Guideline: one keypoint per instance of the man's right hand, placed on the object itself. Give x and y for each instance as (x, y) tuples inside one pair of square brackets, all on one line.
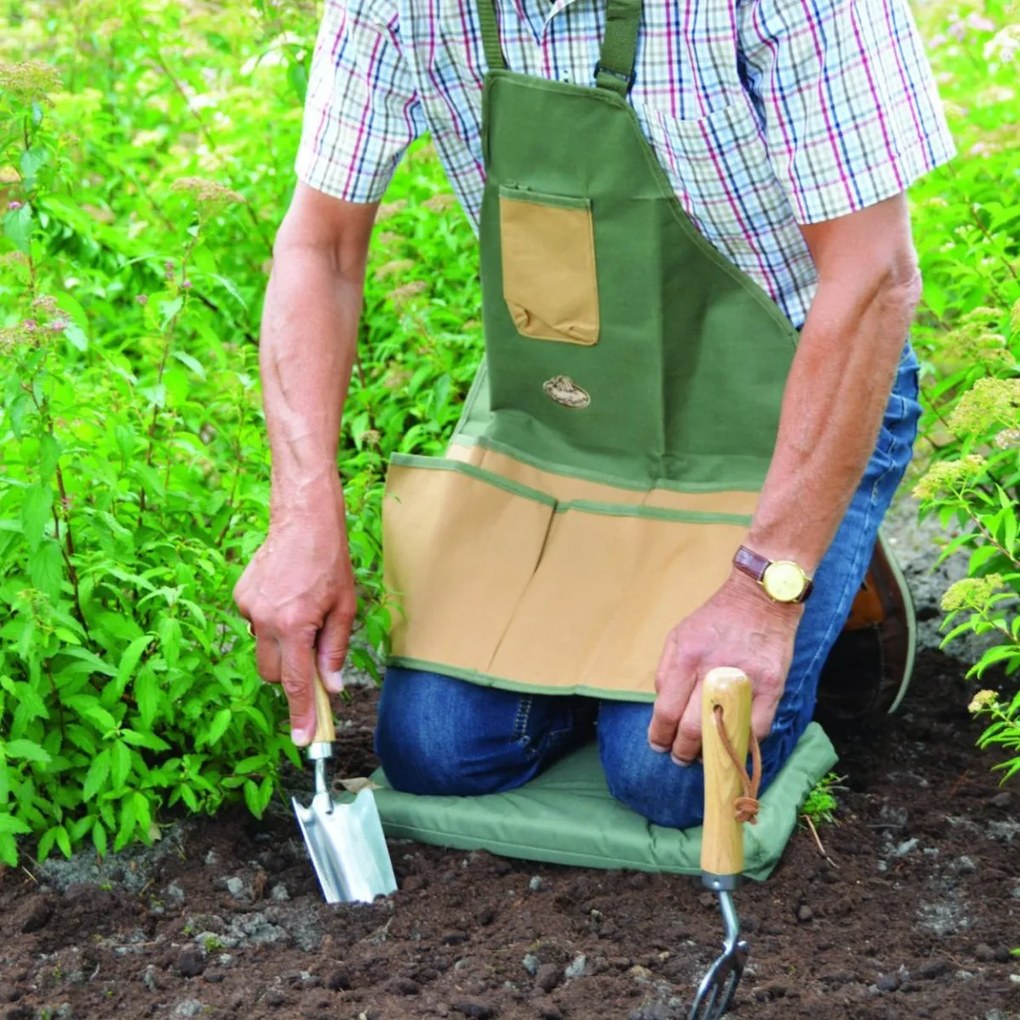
[(298, 593)]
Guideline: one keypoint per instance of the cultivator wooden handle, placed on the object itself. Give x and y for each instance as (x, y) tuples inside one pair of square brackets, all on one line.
[(725, 709), (729, 799)]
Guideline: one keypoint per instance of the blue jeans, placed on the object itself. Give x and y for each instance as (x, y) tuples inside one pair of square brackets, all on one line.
[(440, 735)]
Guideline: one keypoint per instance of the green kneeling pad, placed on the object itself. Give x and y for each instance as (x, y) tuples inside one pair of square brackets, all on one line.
[(567, 816)]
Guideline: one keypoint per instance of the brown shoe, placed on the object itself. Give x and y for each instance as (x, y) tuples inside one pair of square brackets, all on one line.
[(868, 669)]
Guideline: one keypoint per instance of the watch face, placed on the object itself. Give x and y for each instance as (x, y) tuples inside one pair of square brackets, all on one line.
[(784, 581)]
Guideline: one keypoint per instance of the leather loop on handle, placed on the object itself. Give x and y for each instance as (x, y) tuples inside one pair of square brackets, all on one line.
[(722, 842), (324, 729)]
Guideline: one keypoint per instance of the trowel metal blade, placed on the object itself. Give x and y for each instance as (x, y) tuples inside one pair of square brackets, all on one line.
[(347, 848)]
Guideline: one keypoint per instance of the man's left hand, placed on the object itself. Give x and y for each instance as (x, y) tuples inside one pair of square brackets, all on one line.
[(738, 626)]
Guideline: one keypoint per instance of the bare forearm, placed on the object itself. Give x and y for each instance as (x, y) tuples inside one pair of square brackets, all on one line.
[(833, 404), (308, 341), (839, 383), (309, 334)]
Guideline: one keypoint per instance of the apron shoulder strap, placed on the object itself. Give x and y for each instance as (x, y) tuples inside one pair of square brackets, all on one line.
[(490, 35), (615, 69)]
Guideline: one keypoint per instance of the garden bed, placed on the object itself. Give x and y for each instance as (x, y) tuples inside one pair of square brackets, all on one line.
[(913, 915)]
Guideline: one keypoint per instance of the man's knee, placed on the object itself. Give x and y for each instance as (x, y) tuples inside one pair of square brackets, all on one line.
[(442, 736), (418, 746), (652, 785)]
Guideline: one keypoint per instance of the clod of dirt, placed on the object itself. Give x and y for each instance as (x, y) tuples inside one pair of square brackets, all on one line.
[(548, 977), (476, 1009), (38, 914), (888, 983), (402, 986), (191, 961)]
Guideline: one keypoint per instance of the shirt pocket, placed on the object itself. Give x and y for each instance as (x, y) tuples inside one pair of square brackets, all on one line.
[(720, 170), (547, 245)]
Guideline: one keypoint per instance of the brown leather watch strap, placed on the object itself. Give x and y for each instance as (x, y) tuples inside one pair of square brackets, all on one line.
[(750, 562)]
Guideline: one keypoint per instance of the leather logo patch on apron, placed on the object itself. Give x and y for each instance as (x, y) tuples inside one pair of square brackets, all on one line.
[(565, 391)]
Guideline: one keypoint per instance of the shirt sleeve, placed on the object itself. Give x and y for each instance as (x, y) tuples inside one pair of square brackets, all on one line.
[(849, 106), (361, 108)]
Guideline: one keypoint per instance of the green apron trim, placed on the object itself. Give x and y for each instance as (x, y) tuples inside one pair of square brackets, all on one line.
[(559, 201), (413, 460), (747, 471), (521, 687), (567, 816), (655, 513)]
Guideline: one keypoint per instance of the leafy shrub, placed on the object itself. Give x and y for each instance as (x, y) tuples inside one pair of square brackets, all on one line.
[(140, 191), (970, 335)]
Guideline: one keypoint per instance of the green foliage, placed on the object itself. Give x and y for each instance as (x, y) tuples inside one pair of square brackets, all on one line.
[(970, 337), (140, 189), (821, 803)]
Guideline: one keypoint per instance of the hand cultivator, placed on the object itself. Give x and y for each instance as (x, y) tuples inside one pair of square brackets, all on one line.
[(729, 801), (345, 841)]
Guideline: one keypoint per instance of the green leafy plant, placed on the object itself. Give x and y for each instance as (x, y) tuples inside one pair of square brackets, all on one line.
[(969, 336), (819, 808), (125, 683), (820, 805), (140, 190), (1003, 728)]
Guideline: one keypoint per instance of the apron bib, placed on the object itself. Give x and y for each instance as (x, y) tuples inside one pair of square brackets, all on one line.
[(615, 440)]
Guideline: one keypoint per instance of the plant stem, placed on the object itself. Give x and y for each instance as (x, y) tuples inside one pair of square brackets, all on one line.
[(168, 336)]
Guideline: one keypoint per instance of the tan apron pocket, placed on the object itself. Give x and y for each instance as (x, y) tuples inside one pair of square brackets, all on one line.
[(460, 549), (548, 253), (609, 588)]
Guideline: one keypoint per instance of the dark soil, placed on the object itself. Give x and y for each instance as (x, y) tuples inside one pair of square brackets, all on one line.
[(913, 915)]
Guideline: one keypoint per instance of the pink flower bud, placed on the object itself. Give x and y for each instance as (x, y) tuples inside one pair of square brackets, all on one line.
[(142, 299), (14, 206), (186, 285)]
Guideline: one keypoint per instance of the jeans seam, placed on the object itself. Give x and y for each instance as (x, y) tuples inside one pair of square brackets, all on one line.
[(521, 720)]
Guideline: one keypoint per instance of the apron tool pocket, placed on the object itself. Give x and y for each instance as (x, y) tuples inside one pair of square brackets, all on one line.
[(548, 253), (461, 547)]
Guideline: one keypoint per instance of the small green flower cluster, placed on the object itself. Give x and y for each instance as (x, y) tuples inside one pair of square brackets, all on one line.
[(29, 81), (206, 192), (949, 476), (987, 404), (971, 592), (982, 701)]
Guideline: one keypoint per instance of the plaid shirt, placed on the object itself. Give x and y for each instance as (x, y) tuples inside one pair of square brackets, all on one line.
[(763, 113)]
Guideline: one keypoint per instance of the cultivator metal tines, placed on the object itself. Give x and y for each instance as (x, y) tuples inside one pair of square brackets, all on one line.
[(730, 800)]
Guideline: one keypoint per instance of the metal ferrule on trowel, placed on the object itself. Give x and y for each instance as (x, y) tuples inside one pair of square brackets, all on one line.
[(345, 841)]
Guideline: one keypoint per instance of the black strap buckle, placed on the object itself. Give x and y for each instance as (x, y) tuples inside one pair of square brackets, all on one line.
[(626, 79)]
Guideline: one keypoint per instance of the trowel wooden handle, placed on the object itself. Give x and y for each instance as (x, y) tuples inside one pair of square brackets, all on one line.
[(722, 844), (324, 730)]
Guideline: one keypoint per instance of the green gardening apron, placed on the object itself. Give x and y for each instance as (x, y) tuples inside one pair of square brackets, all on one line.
[(614, 443)]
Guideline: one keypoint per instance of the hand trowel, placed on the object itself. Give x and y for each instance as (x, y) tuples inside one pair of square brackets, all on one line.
[(345, 841)]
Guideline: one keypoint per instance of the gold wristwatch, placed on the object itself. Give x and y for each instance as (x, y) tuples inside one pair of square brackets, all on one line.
[(782, 580)]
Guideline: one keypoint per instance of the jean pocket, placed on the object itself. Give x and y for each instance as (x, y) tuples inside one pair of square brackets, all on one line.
[(899, 423), (547, 245)]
